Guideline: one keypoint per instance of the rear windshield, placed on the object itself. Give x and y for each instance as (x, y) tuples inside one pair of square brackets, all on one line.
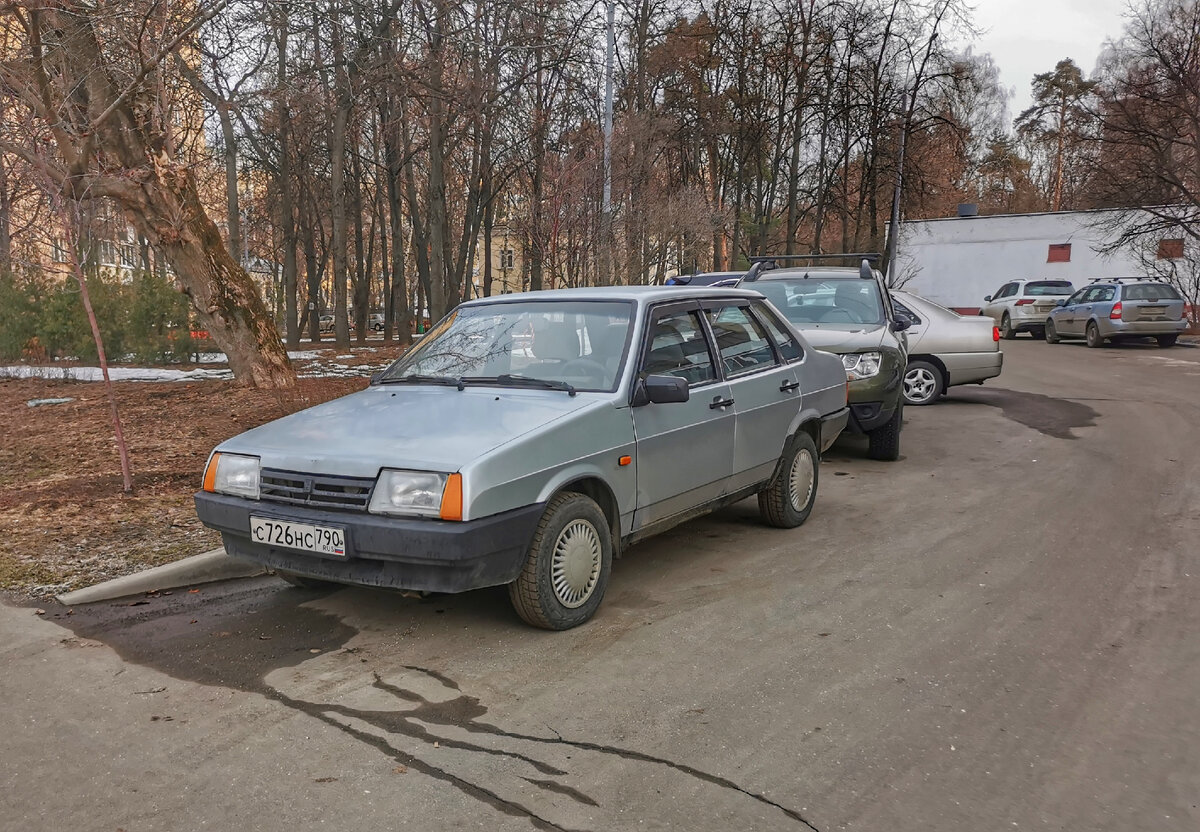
[(1048, 287), (813, 300), (1150, 291)]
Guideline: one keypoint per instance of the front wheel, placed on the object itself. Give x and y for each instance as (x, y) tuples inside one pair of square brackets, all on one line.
[(1166, 341), (883, 443), (1052, 333), (922, 383), (1006, 329), (1094, 339), (566, 569), (788, 499)]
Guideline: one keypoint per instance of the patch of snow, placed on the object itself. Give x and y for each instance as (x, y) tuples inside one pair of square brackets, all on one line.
[(40, 402), (301, 354), (115, 373)]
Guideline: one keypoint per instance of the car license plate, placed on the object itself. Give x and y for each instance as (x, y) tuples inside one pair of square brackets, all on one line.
[(324, 540)]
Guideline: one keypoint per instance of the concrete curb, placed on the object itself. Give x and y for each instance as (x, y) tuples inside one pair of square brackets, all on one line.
[(198, 569)]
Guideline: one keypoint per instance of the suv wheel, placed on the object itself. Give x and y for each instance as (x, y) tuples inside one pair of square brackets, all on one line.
[(922, 383), (567, 566), (1051, 333), (1006, 328), (788, 499), (1165, 341), (883, 443), (1094, 338)]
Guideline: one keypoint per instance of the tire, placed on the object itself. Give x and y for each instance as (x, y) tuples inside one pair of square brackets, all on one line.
[(1052, 333), (788, 499), (883, 443), (1166, 341), (573, 538), (1094, 339), (1006, 329), (303, 581), (923, 383)]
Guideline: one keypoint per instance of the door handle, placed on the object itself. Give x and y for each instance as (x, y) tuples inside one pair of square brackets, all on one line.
[(788, 386), (718, 402)]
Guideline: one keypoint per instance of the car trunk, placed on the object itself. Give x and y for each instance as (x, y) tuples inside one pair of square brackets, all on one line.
[(1151, 309)]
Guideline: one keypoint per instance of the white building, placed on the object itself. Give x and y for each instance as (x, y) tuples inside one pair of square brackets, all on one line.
[(958, 260)]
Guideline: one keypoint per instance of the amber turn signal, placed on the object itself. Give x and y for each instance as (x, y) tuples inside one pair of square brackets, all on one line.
[(625, 460), (210, 473), (452, 499)]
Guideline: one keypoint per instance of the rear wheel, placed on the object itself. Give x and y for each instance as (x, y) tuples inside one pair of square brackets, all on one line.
[(883, 443), (923, 383), (1165, 341), (1052, 333), (567, 566), (1006, 328), (1094, 339), (788, 499)]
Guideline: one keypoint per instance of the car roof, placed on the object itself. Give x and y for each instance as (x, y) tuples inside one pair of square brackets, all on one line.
[(822, 272), (638, 294)]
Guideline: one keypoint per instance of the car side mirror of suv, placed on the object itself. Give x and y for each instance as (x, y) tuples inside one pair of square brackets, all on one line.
[(987, 298), (660, 390)]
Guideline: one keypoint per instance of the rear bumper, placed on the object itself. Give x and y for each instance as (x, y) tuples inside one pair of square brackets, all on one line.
[(972, 367), (1026, 318), (832, 426), (1109, 327), (400, 553)]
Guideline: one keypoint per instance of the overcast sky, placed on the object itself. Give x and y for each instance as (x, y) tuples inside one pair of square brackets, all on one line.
[(1030, 36)]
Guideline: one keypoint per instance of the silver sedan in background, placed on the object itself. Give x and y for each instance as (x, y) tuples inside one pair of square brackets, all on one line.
[(945, 348)]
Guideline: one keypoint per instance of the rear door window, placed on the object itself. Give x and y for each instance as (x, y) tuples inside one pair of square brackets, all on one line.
[(788, 347)]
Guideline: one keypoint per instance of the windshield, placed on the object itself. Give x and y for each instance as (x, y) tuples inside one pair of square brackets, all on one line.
[(1048, 287), (814, 300), (579, 343), (1150, 291)]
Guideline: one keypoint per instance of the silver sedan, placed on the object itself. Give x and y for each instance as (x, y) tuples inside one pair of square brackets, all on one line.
[(945, 348), (529, 439)]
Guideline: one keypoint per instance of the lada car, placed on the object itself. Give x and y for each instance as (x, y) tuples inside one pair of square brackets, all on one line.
[(846, 311), (528, 439)]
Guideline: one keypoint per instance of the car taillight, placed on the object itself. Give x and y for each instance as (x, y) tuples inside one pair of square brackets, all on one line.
[(1115, 314), (995, 333), (1024, 302)]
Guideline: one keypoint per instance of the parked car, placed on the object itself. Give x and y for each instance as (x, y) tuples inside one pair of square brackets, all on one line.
[(705, 279), (1022, 305), (944, 348), (846, 311), (473, 462), (325, 323), (375, 321), (1117, 310)]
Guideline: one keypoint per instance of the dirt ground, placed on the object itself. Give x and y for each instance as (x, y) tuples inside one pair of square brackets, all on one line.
[(64, 522)]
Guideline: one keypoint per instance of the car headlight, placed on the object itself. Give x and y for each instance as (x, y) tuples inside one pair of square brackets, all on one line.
[(860, 365), (232, 474), (408, 492)]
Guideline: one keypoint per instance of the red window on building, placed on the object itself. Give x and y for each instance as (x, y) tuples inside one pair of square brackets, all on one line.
[(1059, 253), (1170, 249)]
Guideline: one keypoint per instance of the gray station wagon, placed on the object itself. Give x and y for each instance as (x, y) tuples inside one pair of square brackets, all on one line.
[(1114, 310), (528, 439)]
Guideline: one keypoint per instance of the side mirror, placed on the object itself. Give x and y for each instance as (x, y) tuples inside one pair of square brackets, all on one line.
[(375, 378), (987, 298), (901, 324), (660, 390), (1060, 302)]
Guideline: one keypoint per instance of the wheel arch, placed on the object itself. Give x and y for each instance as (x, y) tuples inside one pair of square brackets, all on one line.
[(938, 364), (601, 492)]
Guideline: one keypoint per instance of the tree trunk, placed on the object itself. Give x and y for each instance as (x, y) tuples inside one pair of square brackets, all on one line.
[(284, 181)]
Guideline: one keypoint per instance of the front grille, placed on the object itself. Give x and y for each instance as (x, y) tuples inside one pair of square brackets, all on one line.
[(316, 490)]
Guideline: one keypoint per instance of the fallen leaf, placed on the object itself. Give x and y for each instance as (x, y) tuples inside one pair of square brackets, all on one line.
[(193, 591), (152, 690), (39, 612), (400, 770), (325, 780), (315, 650), (822, 635), (265, 638), (435, 744), (137, 603)]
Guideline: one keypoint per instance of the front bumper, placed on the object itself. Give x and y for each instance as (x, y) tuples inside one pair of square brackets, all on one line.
[(400, 553), (874, 400)]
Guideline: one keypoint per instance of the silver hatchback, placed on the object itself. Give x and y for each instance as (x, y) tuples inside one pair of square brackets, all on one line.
[(528, 439), (1114, 310)]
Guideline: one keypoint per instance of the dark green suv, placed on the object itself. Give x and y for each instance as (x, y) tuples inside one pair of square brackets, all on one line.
[(848, 312)]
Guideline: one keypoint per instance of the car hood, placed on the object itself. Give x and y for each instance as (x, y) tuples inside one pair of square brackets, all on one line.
[(416, 427), (839, 338)]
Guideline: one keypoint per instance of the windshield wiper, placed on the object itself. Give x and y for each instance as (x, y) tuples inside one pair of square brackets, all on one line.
[(521, 381), (449, 381)]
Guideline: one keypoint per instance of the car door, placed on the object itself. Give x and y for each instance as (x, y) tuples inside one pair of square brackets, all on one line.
[(1082, 310), (765, 390), (685, 449), (1064, 316), (994, 308)]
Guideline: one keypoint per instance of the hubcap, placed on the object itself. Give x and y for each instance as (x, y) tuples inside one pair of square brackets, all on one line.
[(801, 479), (919, 385), (575, 565)]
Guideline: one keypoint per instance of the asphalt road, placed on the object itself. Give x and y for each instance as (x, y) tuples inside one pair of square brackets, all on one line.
[(1000, 631)]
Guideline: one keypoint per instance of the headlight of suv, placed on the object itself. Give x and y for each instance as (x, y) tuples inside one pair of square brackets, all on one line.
[(408, 492), (232, 474), (860, 365)]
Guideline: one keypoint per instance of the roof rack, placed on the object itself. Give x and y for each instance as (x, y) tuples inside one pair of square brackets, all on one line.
[(1119, 279), (766, 262)]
